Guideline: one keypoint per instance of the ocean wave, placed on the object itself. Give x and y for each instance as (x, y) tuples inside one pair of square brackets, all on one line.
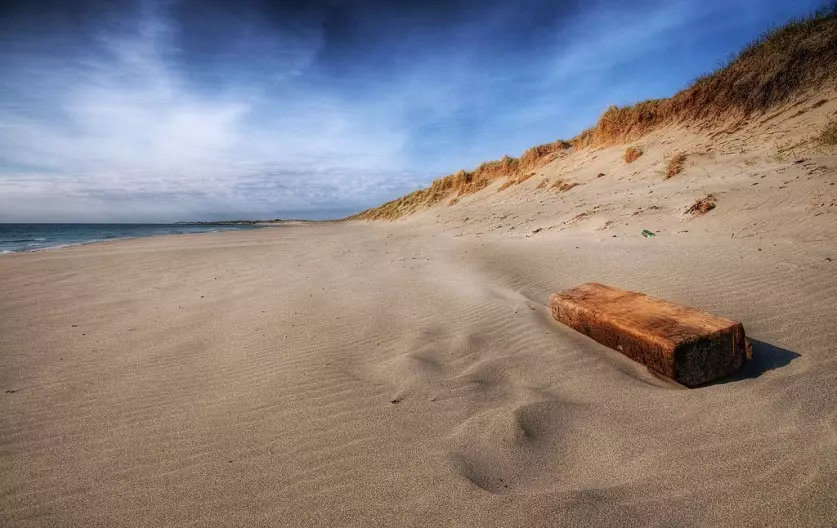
[(32, 248), (26, 242), (21, 240)]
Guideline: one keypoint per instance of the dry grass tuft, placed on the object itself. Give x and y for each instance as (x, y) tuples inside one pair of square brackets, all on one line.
[(506, 185), (563, 186), (515, 181), (543, 183), (461, 183), (702, 205), (632, 154), (525, 177), (675, 165), (579, 217), (828, 136), (453, 201)]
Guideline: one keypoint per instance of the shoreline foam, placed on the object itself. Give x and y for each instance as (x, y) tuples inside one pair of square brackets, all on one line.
[(57, 244)]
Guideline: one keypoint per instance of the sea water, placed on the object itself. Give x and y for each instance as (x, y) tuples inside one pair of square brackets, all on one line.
[(15, 238)]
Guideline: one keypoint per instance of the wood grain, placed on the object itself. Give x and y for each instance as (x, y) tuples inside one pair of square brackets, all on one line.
[(684, 344)]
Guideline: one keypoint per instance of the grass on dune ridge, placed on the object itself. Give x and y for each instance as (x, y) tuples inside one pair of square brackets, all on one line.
[(781, 63)]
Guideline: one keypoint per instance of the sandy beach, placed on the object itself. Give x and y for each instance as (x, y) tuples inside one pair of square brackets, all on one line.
[(401, 366), (410, 374)]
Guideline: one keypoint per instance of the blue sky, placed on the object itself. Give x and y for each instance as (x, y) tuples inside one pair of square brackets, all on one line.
[(167, 110)]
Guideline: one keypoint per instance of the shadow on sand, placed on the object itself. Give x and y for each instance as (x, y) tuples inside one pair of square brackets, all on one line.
[(766, 357)]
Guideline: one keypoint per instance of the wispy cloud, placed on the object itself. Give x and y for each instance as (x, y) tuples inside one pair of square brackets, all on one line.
[(146, 114), (118, 133)]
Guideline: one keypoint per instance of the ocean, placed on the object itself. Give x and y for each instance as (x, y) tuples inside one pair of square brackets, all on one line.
[(16, 238)]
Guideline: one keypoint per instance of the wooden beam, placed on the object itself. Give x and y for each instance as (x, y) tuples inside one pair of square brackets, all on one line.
[(684, 344)]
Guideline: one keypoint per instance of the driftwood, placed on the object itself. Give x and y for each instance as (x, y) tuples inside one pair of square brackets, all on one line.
[(681, 343)]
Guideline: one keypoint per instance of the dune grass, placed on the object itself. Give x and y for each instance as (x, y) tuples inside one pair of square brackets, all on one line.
[(702, 205), (632, 154), (828, 136), (778, 65), (462, 183), (563, 186), (675, 165)]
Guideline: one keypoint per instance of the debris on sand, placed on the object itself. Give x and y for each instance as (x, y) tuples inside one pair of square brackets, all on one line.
[(632, 154), (681, 343), (563, 186), (675, 166), (702, 205)]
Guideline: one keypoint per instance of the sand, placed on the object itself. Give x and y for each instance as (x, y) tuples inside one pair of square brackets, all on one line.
[(410, 374)]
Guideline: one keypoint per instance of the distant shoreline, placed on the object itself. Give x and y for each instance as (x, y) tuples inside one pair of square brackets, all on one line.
[(18, 238), (30, 238), (259, 222)]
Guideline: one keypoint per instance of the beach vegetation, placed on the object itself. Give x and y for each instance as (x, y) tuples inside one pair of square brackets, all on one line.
[(779, 65), (632, 154), (828, 136), (674, 166)]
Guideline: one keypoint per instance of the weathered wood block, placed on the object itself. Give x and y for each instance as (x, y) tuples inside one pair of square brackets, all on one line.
[(684, 344)]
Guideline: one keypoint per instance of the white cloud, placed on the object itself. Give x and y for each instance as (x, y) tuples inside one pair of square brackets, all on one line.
[(123, 134)]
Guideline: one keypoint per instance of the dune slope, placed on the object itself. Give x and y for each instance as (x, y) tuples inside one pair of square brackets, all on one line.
[(781, 67)]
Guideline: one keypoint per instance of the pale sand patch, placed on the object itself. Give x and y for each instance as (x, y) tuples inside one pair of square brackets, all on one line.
[(248, 378)]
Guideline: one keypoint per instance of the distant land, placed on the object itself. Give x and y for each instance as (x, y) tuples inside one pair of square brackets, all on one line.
[(254, 222)]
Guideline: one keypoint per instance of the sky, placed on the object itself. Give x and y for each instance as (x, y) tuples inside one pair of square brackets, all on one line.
[(173, 110)]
